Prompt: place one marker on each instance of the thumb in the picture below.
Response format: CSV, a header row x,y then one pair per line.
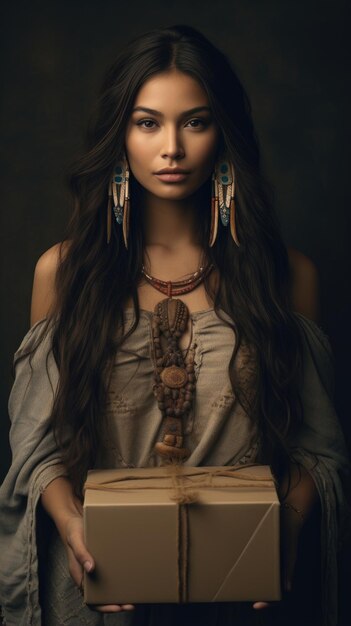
x,y
75,541
88,564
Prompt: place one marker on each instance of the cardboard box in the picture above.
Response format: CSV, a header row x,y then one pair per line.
x,y
182,534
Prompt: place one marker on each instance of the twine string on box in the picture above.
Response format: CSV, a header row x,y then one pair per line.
x,y
184,494
176,470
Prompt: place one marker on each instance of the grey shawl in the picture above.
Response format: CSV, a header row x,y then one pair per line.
x,y
36,463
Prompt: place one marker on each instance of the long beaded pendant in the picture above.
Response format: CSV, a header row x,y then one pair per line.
x,y
174,376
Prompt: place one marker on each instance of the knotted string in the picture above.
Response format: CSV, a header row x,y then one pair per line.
x,y
176,471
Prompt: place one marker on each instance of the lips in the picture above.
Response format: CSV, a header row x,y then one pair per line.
x,y
172,170
172,174
171,178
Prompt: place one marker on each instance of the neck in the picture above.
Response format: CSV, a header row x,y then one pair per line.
x,y
171,224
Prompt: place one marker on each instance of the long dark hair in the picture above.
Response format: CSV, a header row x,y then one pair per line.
x,y
94,279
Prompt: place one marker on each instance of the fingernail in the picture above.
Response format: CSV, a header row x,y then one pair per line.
x,y
87,566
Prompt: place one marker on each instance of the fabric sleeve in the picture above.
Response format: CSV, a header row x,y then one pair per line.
x,y
35,463
320,447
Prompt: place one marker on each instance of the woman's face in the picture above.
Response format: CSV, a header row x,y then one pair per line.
x,y
167,133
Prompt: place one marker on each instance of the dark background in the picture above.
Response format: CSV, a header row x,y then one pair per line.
x,y
293,59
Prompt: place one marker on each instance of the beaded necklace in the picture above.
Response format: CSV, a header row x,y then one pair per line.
x,y
174,374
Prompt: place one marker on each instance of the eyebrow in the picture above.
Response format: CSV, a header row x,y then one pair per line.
x,y
189,112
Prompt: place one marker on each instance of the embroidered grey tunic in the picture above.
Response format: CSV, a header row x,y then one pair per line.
x,y
217,432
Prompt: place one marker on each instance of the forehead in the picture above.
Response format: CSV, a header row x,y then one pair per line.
x,y
171,89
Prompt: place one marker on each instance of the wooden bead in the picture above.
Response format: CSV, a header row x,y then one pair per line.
x,y
170,440
174,377
171,451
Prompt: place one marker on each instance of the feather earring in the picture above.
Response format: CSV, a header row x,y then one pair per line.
x,y
222,200
119,200
214,211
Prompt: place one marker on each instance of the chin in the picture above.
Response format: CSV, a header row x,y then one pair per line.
x,y
181,195
172,191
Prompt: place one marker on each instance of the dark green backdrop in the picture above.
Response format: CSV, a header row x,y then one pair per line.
x,y
292,57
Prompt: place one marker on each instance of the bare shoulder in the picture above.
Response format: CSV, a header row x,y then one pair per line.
x,y
304,284
43,291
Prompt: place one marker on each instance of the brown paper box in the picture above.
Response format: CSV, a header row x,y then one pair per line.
x,y
223,546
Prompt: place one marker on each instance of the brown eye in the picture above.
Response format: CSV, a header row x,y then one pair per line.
x,y
145,122
199,122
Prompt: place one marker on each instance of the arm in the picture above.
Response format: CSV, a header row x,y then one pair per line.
x,y
303,493
66,510
58,498
43,291
304,285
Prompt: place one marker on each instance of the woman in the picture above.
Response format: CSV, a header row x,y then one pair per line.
x,y
92,388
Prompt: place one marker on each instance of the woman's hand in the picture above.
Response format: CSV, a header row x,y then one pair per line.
x,y
66,510
80,560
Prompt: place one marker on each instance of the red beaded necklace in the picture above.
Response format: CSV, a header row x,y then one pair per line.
x,y
173,374
181,286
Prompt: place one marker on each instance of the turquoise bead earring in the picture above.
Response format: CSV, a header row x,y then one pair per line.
x,y
119,200
222,201
225,179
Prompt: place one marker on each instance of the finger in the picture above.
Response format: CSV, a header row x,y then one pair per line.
x,y
260,605
112,608
107,608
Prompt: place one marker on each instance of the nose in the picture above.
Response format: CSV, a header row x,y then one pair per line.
x,y
172,146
